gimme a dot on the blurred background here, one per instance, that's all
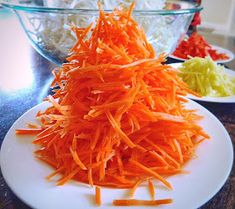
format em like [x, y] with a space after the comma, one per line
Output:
[218, 16]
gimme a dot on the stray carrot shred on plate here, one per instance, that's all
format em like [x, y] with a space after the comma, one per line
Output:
[151, 189]
[98, 196]
[118, 117]
[134, 202]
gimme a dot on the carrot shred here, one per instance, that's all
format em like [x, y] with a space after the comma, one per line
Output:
[98, 196]
[134, 202]
[27, 131]
[31, 125]
[118, 116]
[151, 189]
[151, 172]
[133, 189]
[77, 159]
[119, 131]
[54, 173]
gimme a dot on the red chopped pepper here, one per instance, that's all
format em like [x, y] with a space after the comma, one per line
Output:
[196, 46]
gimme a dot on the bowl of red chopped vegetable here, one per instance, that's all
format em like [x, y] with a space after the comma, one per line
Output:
[196, 46]
[47, 24]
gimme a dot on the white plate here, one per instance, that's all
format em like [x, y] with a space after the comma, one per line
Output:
[228, 99]
[218, 48]
[25, 175]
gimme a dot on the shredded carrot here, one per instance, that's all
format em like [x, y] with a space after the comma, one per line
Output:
[134, 202]
[118, 117]
[28, 131]
[151, 189]
[31, 125]
[133, 189]
[149, 171]
[98, 196]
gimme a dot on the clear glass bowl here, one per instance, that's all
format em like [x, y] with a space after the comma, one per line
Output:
[47, 24]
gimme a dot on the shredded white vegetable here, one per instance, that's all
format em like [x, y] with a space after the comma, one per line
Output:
[53, 30]
[107, 4]
[207, 78]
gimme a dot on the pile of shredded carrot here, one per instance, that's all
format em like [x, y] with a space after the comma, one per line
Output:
[117, 117]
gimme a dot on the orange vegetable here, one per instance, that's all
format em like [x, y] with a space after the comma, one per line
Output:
[97, 196]
[118, 116]
[28, 131]
[133, 189]
[31, 125]
[134, 202]
[151, 189]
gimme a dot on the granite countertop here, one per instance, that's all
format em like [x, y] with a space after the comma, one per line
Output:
[24, 81]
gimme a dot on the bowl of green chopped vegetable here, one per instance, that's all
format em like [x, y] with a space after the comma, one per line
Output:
[47, 23]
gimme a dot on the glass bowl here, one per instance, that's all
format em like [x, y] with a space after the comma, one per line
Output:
[47, 23]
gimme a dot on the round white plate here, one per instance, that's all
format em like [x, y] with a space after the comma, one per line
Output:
[26, 176]
[218, 48]
[228, 99]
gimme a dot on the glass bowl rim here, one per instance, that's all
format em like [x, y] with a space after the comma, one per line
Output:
[28, 8]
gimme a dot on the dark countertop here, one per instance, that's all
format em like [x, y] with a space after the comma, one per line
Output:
[24, 81]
